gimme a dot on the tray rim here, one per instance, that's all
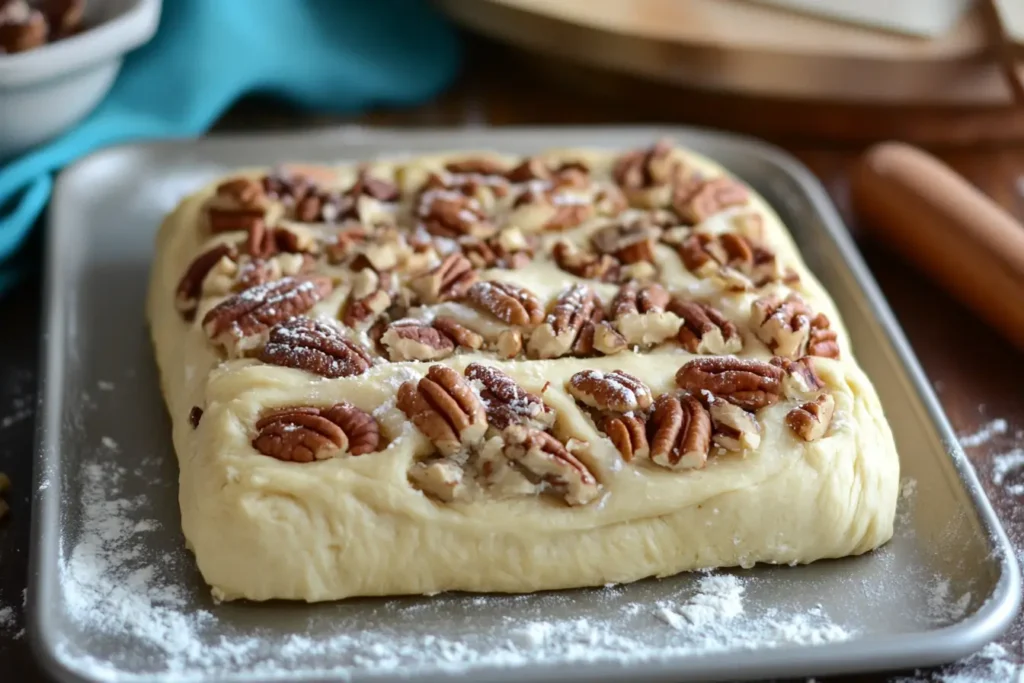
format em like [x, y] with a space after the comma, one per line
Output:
[905, 650]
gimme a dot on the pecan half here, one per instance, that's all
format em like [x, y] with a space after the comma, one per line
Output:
[705, 329]
[450, 279]
[558, 335]
[640, 316]
[750, 384]
[734, 428]
[304, 434]
[316, 347]
[548, 459]
[680, 432]
[190, 287]
[629, 434]
[443, 406]
[783, 325]
[507, 302]
[439, 478]
[414, 340]
[697, 199]
[371, 295]
[647, 175]
[476, 166]
[800, 379]
[615, 391]
[238, 204]
[811, 420]
[822, 339]
[630, 242]
[446, 213]
[585, 264]
[459, 333]
[506, 402]
[241, 322]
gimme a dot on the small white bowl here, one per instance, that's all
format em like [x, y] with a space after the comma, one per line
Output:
[45, 91]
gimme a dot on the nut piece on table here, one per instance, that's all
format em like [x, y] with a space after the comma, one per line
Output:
[450, 279]
[459, 333]
[631, 242]
[584, 264]
[647, 176]
[443, 406]
[680, 432]
[615, 391]
[241, 322]
[548, 459]
[640, 316]
[705, 329]
[629, 434]
[315, 346]
[696, 199]
[811, 420]
[506, 402]
[800, 379]
[304, 434]
[750, 384]
[190, 287]
[734, 428]
[574, 307]
[416, 340]
[507, 302]
[783, 325]
[440, 478]
[823, 340]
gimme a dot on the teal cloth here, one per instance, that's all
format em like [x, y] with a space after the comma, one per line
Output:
[324, 55]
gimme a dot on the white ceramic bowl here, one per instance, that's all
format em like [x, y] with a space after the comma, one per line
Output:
[45, 91]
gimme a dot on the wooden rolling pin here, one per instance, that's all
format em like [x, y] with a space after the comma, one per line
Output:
[931, 215]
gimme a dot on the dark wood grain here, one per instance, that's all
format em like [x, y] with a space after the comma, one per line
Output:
[978, 376]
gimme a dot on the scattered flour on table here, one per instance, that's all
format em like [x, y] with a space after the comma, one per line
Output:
[1004, 464]
[985, 434]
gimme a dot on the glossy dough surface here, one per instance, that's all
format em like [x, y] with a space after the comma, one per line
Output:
[359, 525]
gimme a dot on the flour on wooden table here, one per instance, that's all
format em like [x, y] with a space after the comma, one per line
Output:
[985, 434]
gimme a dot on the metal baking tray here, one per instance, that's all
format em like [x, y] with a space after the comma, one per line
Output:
[947, 583]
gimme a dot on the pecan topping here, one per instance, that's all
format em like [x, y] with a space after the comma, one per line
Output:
[822, 340]
[370, 296]
[316, 347]
[258, 271]
[449, 214]
[548, 459]
[811, 420]
[628, 242]
[750, 384]
[190, 287]
[585, 264]
[784, 326]
[705, 329]
[345, 242]
[415, 340]
[606, 340]
[640, 316]
[696, 199]
[509, 343]
[451, 279]
[238, 204]
[562, 328]
[506, 402]
[440, 478]
[304, 434]
[507, 302]
[647, 176]
[476, 166]
[800, 380]
[629, 434]
[680, 432]
[459, 333]
[22, 28]
[443, 406]
[240, 322]
[510, 249]
[734, 428]
[615, 391]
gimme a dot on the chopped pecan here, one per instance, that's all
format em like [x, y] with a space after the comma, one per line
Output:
[415, 340]
[304, 434]
[585, 264]
[548, 459]
[629, 434]
[510, 249]
[680, 432]
[459, 333]
[629, 242]
[822, 339]
[607, 339]
[647, 175]
[449, 214]
[371, 295]
[615, 391]
[783, 325]
[190, 287]
[194, 416]
[506, 402]
[734, 428]
[287, 185]
[22, 28]
[476, 166]
[551, 207]
[696, 199]
[450, 279]
[316, 347]
[800, 379]
[507, 302]
[440, 478]
[561, 329]
[705, 329]
[443, 406]
[750, 384]
[811, 420]
[257, 271]
[344, 243]
[509, 343]
[240, 322]
[366, 185]
[640, 316]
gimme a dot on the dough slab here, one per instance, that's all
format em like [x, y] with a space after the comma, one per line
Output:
[296, 313]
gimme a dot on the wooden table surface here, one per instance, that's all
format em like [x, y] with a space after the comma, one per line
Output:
[977, 376]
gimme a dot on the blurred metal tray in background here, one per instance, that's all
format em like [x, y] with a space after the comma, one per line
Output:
[102, 408]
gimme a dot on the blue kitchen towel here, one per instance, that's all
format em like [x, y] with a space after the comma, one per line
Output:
[325, 55]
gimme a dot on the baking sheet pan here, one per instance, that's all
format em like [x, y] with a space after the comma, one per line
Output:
[106, 483]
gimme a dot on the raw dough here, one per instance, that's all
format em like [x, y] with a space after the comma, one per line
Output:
[346, 526]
